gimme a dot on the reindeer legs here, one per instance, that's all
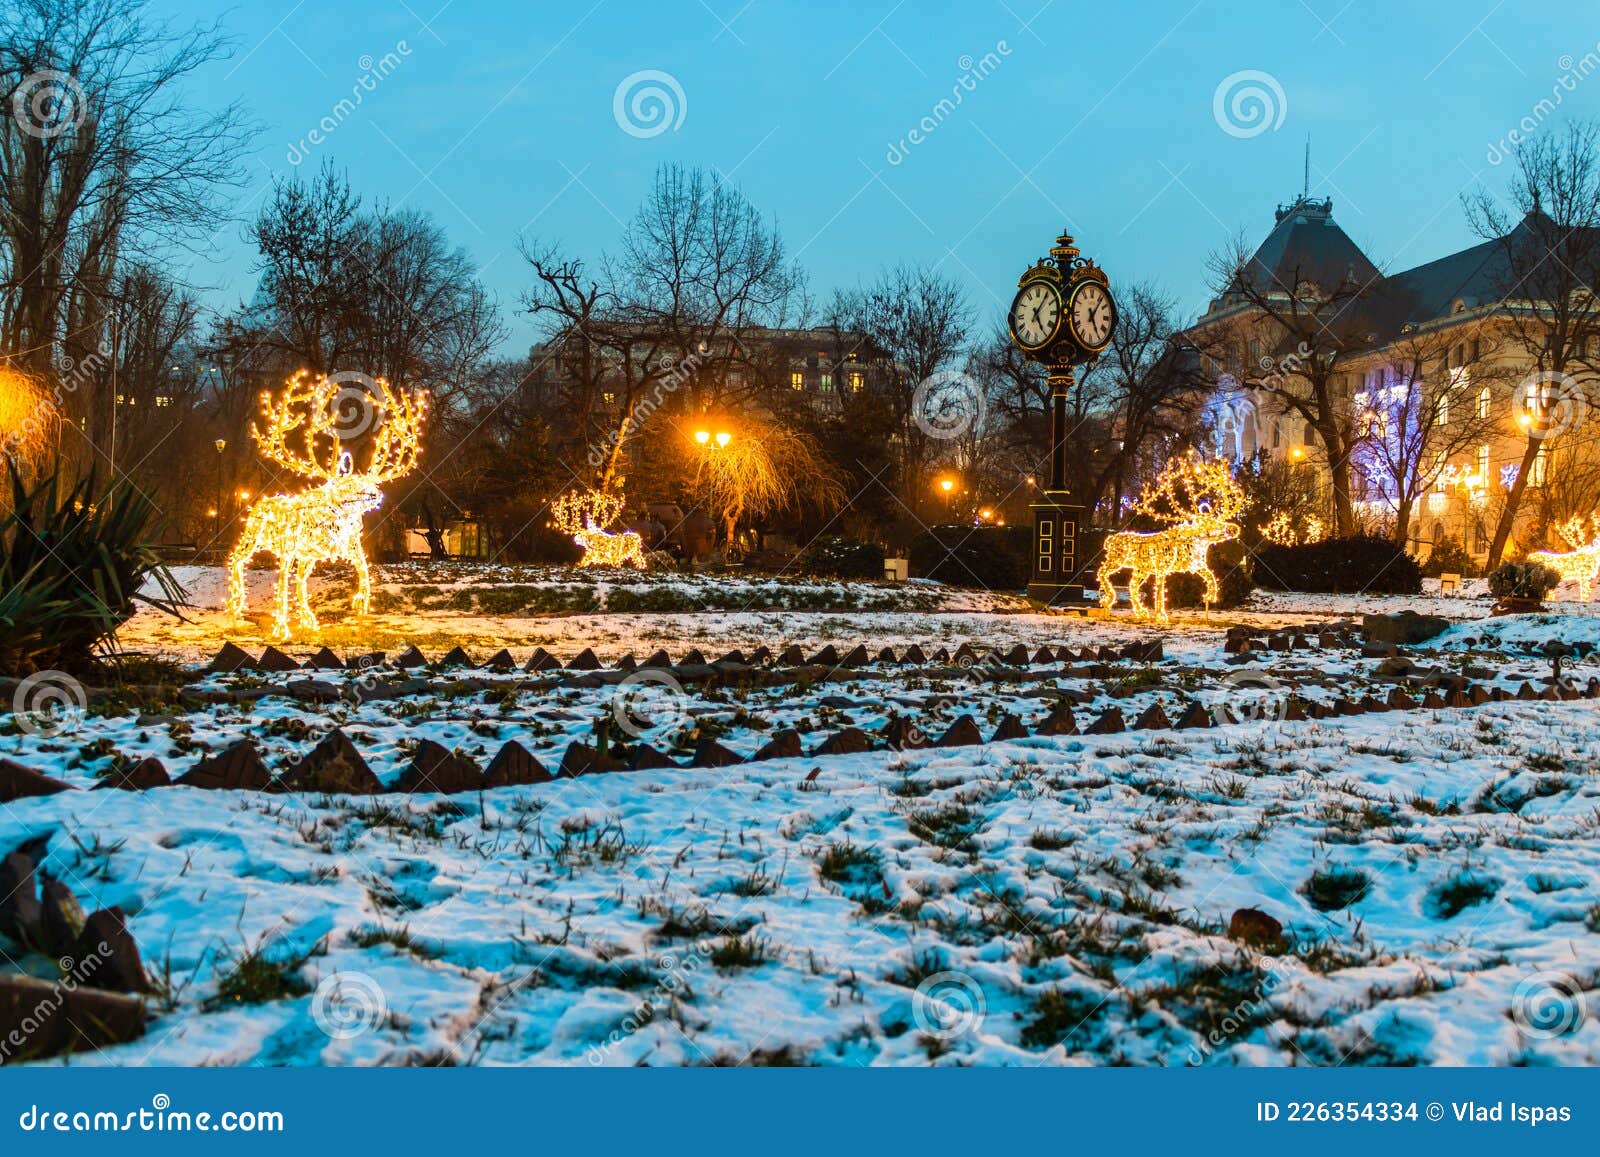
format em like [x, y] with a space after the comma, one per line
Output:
[280, 599]
[362, 599]
[302, 573]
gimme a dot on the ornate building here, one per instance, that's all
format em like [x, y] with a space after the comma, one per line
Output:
[1429, 391]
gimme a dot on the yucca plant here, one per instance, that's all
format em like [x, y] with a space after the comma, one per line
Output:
[72, 562]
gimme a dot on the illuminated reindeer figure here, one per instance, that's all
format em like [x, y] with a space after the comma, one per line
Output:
[302, 430]
[585, 516]
[1582, 562]
[1201, 499]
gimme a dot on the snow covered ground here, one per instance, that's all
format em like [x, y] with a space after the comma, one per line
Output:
[1058, 900]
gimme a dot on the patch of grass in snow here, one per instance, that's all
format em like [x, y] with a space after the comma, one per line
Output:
[846, 863]
[1462, 891]
[757, 883]
[1051, 839]
[950, 827]
[1335, 889]
[256, 978]
[749, 951]
[1062, 1016]
[371, 935]
[399, 818]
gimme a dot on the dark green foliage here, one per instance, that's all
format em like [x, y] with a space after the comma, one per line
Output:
[1449, 557]
[995, 558]
[839, 557]
[1235, 574]
[1335, 889]
[1361, 564]
[1523, 580]
[71, 565]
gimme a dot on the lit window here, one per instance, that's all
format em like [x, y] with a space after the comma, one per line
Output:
[163, 400]
[857, 381]
[1537, 472]
[610, 397]
[1483, 402]
[797, 380]
[1441, 410]
[827, 383]
[1483, 464]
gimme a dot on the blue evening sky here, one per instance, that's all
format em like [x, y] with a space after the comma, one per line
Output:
[499, 120]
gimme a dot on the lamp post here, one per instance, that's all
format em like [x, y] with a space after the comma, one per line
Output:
[948, 486]
[221, 444]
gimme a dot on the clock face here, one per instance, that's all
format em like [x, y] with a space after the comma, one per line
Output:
[1093, 316]
[1035, 314]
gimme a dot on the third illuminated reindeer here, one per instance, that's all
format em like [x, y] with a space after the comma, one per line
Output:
[305, 428]
[1582, 562]
[1201, 500]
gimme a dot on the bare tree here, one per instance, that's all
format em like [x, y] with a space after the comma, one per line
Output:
[1412, 426]
[105, 158]
[1292, 333]
[920, 320]
[661, 323]
[1549, 275]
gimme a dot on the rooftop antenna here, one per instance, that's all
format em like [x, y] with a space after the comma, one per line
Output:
[1305, 189]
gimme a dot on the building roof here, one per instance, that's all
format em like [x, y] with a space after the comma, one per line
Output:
[1307, 244]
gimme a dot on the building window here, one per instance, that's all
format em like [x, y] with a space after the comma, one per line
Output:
[1483, 402]
[1536, 473]
[857, 381]
[827, 383]
[1483, 465]
[610, 397]
[797, 380]
[163, 400]
[1441, 409]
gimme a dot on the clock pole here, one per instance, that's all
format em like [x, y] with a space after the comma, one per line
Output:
[1057, 517]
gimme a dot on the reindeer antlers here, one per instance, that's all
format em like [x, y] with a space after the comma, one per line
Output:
[1191, 488]
[1579, 532]
[307, 424]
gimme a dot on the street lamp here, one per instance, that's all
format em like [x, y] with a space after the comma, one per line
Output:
[705, 437]
[221, 444]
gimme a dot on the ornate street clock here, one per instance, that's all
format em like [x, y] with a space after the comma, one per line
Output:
[1062, 317]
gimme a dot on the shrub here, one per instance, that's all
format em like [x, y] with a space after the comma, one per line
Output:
[839, 557]
[1361, 564]
[1448, 556]
[71, 567]
[995, 558]
[1523, 580]
[1235, 575]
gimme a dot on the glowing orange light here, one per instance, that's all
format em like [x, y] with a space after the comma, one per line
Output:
[724, 438]
[702, 436]
[946, 485]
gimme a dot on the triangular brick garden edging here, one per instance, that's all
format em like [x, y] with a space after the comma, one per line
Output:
[336, 767]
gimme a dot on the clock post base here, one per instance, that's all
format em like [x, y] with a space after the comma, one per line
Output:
[1054, 581]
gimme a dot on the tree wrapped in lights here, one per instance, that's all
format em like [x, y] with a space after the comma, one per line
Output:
[305, 429]
[1582, 562]
[1283, 531]
[1200, 499]
[585, 514]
